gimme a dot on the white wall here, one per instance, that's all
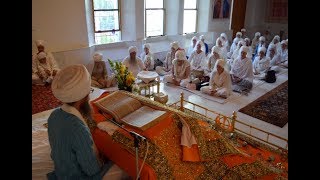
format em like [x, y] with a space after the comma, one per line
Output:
[69, 33]
[61, 23]
[172, 17]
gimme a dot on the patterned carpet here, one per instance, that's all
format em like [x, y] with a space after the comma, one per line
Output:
[43, 99]
[271, 107]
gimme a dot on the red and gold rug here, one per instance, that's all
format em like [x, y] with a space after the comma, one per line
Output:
[43, 99]
[271, 107]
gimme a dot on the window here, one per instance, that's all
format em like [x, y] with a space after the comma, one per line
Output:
[190, 16]
[154, 16]
[106, 21]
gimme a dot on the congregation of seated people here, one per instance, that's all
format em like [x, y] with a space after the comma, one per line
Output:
[225, 68]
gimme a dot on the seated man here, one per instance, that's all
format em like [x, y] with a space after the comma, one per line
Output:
[147, 57]
[38, 77]
[73, 150]
[133, 62]
[167, 64]
[241, 72]
[261, 64]
[220, 81]
[180, 70]
[43, 70]
[99, 73]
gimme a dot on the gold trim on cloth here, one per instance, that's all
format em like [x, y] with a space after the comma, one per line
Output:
[155, 158]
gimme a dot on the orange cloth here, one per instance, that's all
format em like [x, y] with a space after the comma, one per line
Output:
[126, 160]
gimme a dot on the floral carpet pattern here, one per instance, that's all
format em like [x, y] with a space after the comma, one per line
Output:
[271, 107]
[43, 99]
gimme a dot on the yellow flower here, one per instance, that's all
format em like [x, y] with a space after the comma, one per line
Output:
[124, 77]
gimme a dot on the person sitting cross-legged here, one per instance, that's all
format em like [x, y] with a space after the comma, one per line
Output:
[99, 73]
[180, 70]
[220, 81]
[242, 72]
[44, 69]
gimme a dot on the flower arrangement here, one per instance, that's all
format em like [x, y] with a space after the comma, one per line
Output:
[124, 77]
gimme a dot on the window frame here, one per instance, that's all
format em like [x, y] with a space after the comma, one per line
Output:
[106, 10]
[145, 19]
[196, 24]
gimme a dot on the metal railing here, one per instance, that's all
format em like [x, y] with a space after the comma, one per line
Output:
[228, 124]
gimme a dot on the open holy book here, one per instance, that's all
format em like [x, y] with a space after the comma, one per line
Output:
[130, 111]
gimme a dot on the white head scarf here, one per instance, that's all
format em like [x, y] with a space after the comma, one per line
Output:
[97, 57]
[275, 37]
[147, 45]
[180, 55]
[219, 39]
[41, 55]
[39, 43]
[243, 30]
[262, 49]
[71, 84]
[219, 62]
[284, 42]
[262, 38]
[194, 38]
[257, 34]
[215, 49]
[174, 45]
[224, 35]
[202, 37]
[244, 49]
[239, 33]
[272, 46]
[132, 49]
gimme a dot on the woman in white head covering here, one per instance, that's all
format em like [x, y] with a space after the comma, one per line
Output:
[255, 40]
[99, 73]
[261, 64]
[262, 43]
[192, 46]
[220, 81]
[147, 57]
[180, 73]
[133, 62]
[274, 56]
[167, 64]
[275, 41]
[222, 49]
[206, 48]
[283, 52]
[241, 72]
[243, 32]
[49, 64]
[248, 44]
[233, 47]
[214, 56]
[239, 37]
[198, 61]
[225, 41]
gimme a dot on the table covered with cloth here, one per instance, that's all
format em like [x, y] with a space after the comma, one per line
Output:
[212, 156]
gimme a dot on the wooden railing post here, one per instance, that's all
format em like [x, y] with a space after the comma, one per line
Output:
[181, 101]
[233, 120]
